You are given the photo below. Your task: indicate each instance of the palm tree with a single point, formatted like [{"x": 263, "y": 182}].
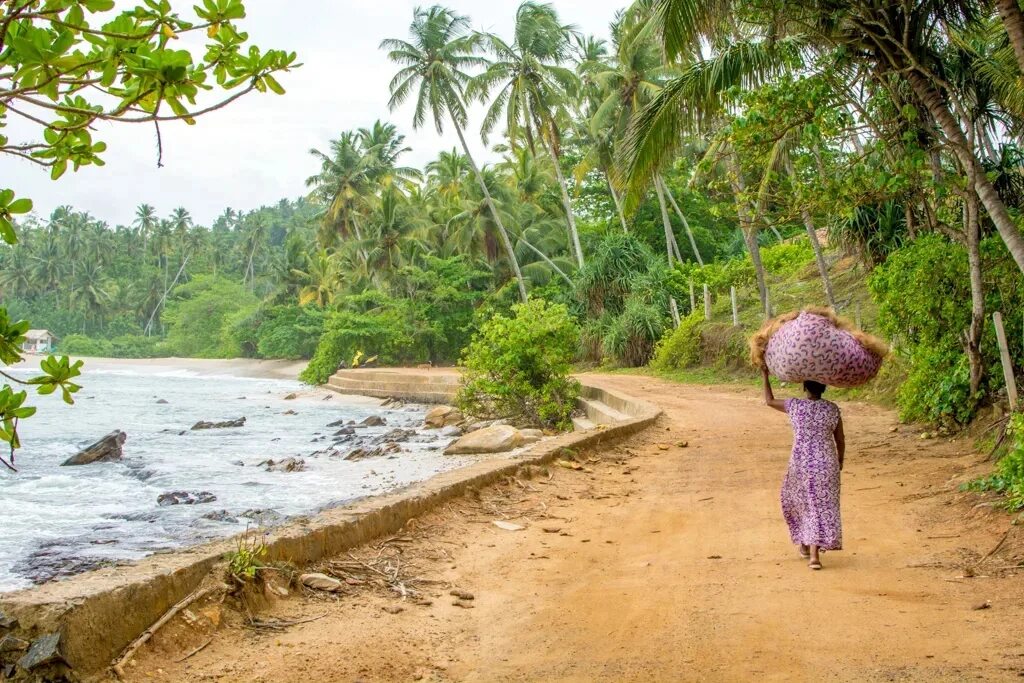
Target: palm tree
[
  {"x": 394, "y": 231},
  {"x": 320, "y": 280},
  {"x": 345, "y": 182},
  {"x": 433, "y": 64},
  {"x": 532, "y": 89},
  {"x": 145, "y": 221},
  {"x": 384, "y": 145},
  {"x": 255, "y": 236}
]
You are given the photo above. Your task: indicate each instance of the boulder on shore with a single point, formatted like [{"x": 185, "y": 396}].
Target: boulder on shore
[
  {"x": 107, "y": 449},
  {"x": 531, "y": 435},
  {"x": 442, "y": 416},
  {"x": 203, "y": 424},
  {"x": 290, "y": 464},
  {"x": 373, "y": 421},
  {"x": 493, "y": 439},
  {"x": 185, "y": 498}
]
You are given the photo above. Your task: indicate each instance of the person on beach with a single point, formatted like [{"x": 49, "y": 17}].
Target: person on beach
[{"x": 810, "y": 490}]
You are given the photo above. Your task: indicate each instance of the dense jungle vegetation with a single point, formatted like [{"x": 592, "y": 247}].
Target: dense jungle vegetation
[{"x": 721, "y": 144}]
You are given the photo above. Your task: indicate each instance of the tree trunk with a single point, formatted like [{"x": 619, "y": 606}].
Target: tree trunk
[
  {"x": 682, "y": 218},
  {"x": 618, "y": 204},
  {"x": 812, "y": 234},
  {"x": 972, "y": 228},
  {"x": 993, "y": 203},
  {"x": 750, "y": 235},
  {"x": 1013, "y": 22},
  {"x": 819, "y": 257},
  {"x": 573, "y": 234},
  {"x": 667, "y": 224},
  {"x": 506, "y": 242}
]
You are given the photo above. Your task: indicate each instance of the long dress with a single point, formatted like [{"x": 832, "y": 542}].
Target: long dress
[{"x": 810, "y": 491}]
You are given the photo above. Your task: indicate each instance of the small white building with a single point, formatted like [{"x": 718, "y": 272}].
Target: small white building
[{"x": 39, "y": 341}]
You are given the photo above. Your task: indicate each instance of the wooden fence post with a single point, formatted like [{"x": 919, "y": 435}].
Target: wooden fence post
[
  {"x": 693, "y": 298},
  {"x": 707, "y": 303},
  {"x": 674, "y": 308},
  {"x": 735, "y": 309},
  {"x": 856, "y": 316},
  {"x": 1004, "y": 356}
]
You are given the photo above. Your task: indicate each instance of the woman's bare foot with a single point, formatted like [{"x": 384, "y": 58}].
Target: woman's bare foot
[
  {"x": 815, "y": 562},
  {"x": 805, "y": 551}
]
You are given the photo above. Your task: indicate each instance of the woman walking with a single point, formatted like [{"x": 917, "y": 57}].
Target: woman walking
[{"x": 810, "y": 491}]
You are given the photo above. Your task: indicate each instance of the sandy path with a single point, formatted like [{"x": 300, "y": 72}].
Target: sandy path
[{"x": 671, "y": 565}]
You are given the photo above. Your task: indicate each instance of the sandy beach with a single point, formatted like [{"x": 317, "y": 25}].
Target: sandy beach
[{"x": 241, "y": 367}]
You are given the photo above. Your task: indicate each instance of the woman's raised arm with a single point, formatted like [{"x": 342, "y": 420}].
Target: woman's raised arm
[{"x": 769, "y": 395}]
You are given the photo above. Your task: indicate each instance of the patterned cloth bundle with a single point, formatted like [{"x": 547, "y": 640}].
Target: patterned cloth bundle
[{"x": 815, "y": 344}]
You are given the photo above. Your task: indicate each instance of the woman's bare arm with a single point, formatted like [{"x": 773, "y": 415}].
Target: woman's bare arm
[
  {"x": 840, "y": 442},
  {"x": 769, "y": 395}
]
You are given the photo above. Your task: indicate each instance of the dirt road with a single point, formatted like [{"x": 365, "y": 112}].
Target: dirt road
[{"x": 658, "y": 562}]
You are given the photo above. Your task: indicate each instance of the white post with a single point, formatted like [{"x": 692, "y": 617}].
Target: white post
[
  {"x": 707, "y": 303},
  {"x": 674, "y": 308},
  {"x": 735, "y": 309},
  {"x": 856, "y": 316},
  {"x": 1004, "y": 356},
  {"x": 693, "y": 298}
]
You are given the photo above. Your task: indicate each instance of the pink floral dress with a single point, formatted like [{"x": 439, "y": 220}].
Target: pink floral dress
[{"x": 810, "y": 491}]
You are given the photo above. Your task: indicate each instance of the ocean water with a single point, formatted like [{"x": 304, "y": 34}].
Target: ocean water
[{"x": 58, "y": 521}]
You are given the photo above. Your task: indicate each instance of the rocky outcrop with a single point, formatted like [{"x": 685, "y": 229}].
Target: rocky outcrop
[
  {"x": 202, "y": 424},
  {"x": 531, "y": 435},
  {"x": 373, "y": 421},
  {"x": 284, "y": 465},
  {"x": 107, "y": 449},
  {"x": 442, "y": 416},
  {"x": 185, "y": 498},
  {"x": 493, "y": 439},
  {"x": 379, "y": 451}
]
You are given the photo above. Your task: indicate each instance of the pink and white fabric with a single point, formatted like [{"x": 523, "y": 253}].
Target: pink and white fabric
[{"x": 811, "y": 347}]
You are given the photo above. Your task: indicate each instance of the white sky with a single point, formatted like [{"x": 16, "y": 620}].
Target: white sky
[{"x": 255, "y": 151}]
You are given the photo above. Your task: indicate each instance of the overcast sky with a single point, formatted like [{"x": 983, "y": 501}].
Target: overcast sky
[{"x": 256, "y": 151}]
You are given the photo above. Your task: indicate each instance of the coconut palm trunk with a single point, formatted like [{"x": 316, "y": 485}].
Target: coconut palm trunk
[
  {"x": 961, "y": 147},
  {"x": 667, "y": 224},
  {"x": 505, "y": 241},
  {"x": 618, "y": 204},
  {"x": 972, "y": 341},
  {"x": 682, "y": 218},
  {"x": 1013, "y": 22},
  {"x": 569, "y": 217}
]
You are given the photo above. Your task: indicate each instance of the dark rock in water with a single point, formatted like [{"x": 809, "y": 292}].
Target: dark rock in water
[
  {"x": 107, "y": 449},
  {"x": 337, "y": 423},
  {"x": 328, "y": 397},
  {"x": 264, "y": 517},
  {"x": 202, "y": 424},
  {"x": 7, "y": 622},
  {"x": 291, "y": 397},
  {"x": 239, "y": 463},
  {"x": 185, "y": 498},
  {"x": 396, "y": 435},
  {"x": 142, "y": 516},
  {"x": 57, "y": 559},
  {"x": 330, "y": 452},
  {"x": 163, "y": 402},
  {"x": 285, "y": 465},
  {"x": 363, "y": 453},
  {"x": 373, "y": 421},
  {"x": 221, "y": 516},
  {"x": 43, "y": 650},
  {"x": 289, "y": 412},
  {"x": 345, "y": 431},
  {"x": 138, "y": 471}
]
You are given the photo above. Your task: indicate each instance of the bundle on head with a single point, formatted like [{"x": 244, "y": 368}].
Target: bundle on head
[{"x": 815, "y": 344}]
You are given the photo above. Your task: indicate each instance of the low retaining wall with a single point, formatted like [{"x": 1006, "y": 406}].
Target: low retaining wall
[{"x": 100, "y": 612}]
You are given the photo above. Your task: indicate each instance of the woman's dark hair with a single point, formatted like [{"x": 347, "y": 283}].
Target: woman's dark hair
[{"x": 815, "y": 389}]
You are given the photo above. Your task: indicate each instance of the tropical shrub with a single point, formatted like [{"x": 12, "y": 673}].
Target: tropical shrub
[
  {"x": 81, "y": 345},
  {"x": 518, "y": 368},
  {"x": 681, "y": 348},
  {"x": 1008, "y": 478},
  {"x": 787, "y": 258},
  {"x": 290, "y": 332},
  {"x": 137, "y": 346},
  {"x": 197, "y": 315}
]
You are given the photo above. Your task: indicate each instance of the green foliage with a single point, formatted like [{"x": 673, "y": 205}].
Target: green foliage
[
  {"x": 518, "y": 367},
  {"x": 196, "y": 317},
  {"x": 380, "y": 329},
  {"x": 290, "y": 332},
  {"x": 624, "y": 292},
  {"x": 788, "y": 258},
  {"x": 81, "y": 345},
  {"x": 1008, "y": 478},
  {"x": 681, "y": 348},
  {"x": 246, "y": 560}
]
